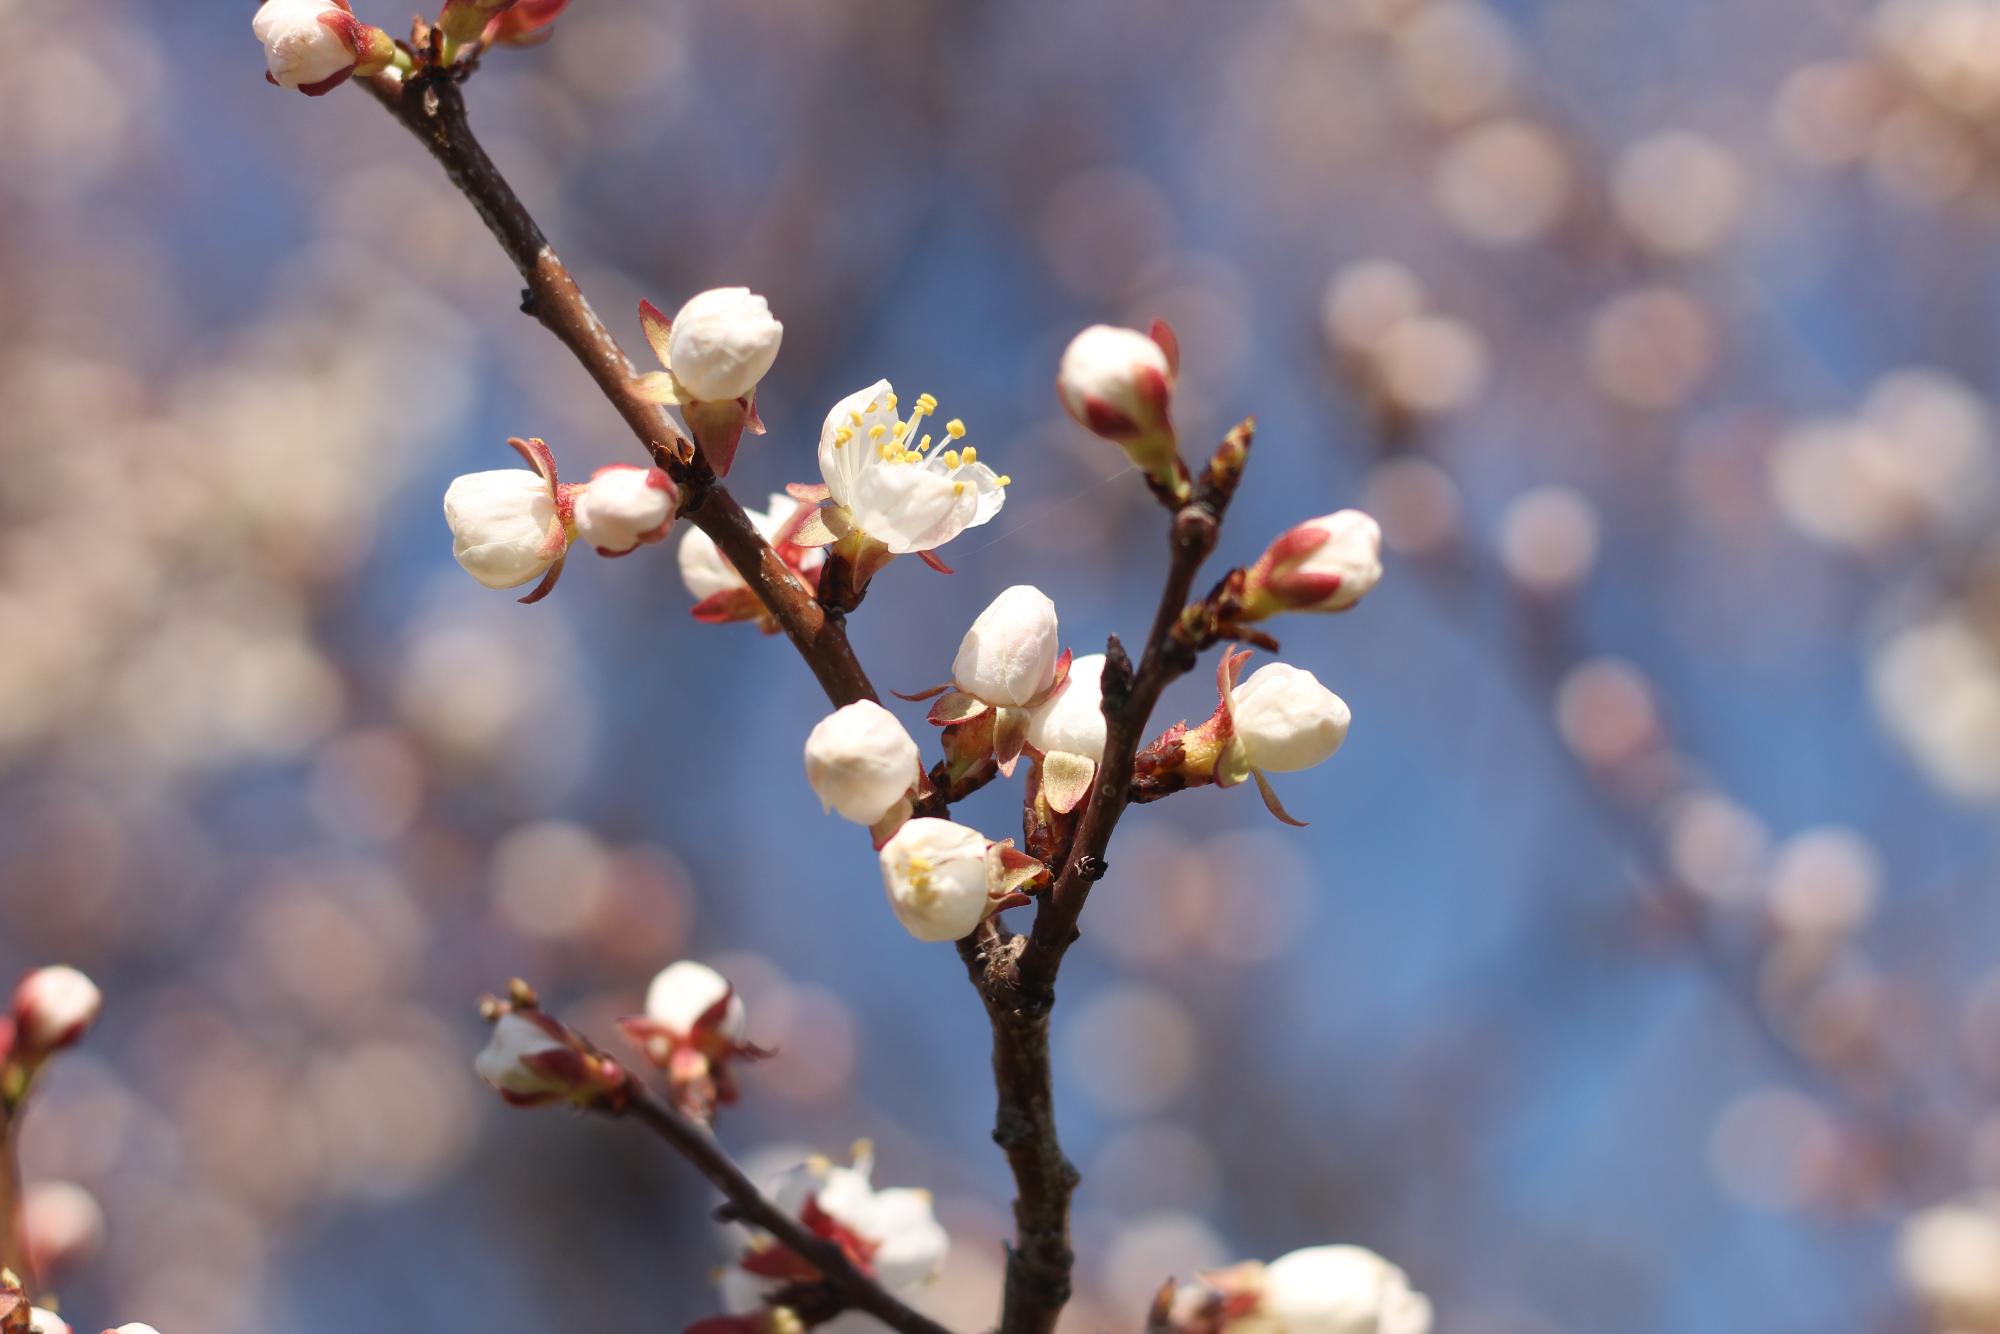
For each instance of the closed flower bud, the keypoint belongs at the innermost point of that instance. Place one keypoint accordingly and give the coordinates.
(314, 45)
(1068, 730)
(1335, 1290)
(523, 23)
(504, 526)
(133, 1328)
(63, 1223)
(936, 874)
(1119, 384)
(693, 1029)
(1323, 564)
(623, 506)
(1286, 720)
(689, 996)
(41, 1321)
(861, 762)
(1008, 657)
(1949, 1258)
(531, 1060)
(722, 343)
(53, 1008)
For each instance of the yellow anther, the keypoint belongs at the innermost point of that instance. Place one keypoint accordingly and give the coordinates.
(889, 402)
(950, 457)
(911, 456)
(842, 436)
(900, 430)
(854, 417)
(955, 429)
(1005, 481)
(924, 445)
(877, 431)
(958, 488)
(971, 454)
(926, 404)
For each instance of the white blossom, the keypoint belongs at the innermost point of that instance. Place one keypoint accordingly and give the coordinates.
(1008, 657)
(42, 1321)
(623, 506)
(1335, 1290)
(722, 343)
(133, 1328)
(1286, 720)
(1072, 719)
(53, 1007)
(504, 526)
(901, 489)
(909, 1245)
(309, 45)
(936, 874)
(683, 993)
(861, 762)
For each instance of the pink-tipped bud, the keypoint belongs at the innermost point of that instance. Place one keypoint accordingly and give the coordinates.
(524, 23)
(531, 1060)
(1119, 384)
(53, 1008)
(623, 507)
(1323, 564)
(313, 46)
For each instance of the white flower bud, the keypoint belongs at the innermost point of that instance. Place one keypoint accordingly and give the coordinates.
(133, 1328)
(1286, 720)
(503, 526)
(311, 45)
(861, 762)
(1339, 1290)
(46, 1322)
(53, 1008)
(1072, 719)
(722, 343)
(1115, 382)
(1323, 564)
(935, 872)
(624, 505)
(683, 993)
(1008, 657)
(504, 1061)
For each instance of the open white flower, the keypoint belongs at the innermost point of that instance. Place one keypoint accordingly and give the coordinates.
(895, 486)
(862, 763)
(894, 1232)
(1323, 564)
(720, 591)
(1068, 730)
(624, 506)
(314, 45)
(1335, 1290)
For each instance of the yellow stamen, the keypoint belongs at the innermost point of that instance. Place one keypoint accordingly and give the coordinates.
(958, 488)
(900, 430)
(955, 428)
(1005, 480)
(970, 454)
(854, 417)
(877, 431)
(890, 402)
(950, 456)
(926, 404)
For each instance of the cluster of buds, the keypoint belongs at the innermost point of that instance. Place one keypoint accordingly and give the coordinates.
(1319, 1290)
(944, 878)
(891, 1235)
(314, 46)
(715, 351)
(1119, 384)
(693, 1029)
(531, 1060)
(513, 526)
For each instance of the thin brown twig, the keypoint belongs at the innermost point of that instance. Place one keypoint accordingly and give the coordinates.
(855, 1287)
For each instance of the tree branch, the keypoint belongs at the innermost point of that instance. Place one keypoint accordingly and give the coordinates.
(432, 107)
(856, 1289)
